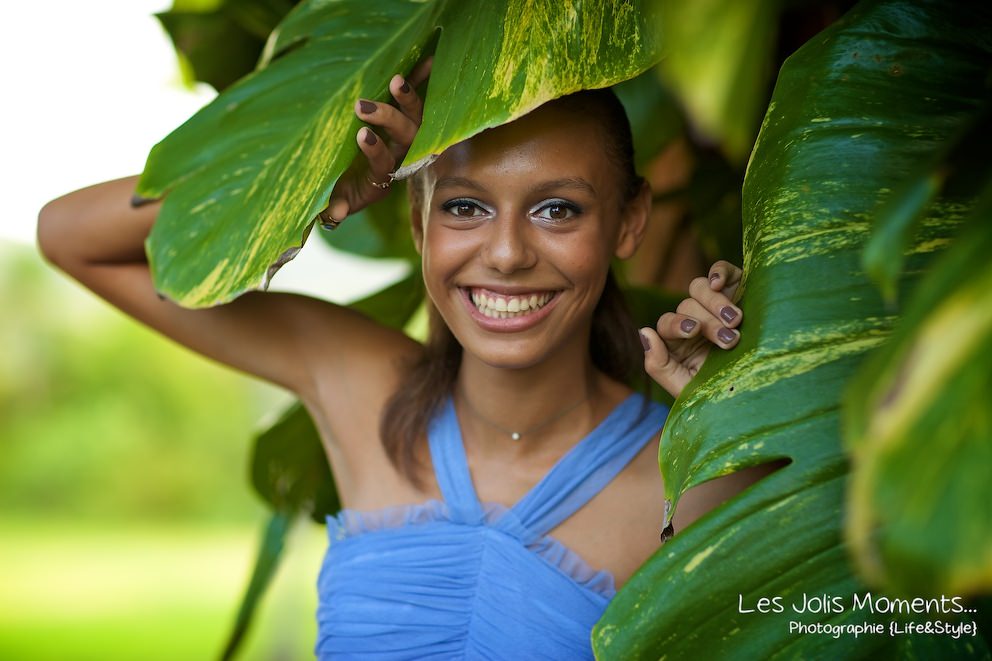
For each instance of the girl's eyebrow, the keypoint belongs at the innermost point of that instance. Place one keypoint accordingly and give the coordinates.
(577, 183)
(568, 182)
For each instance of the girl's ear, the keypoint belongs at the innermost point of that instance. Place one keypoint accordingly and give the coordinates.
(634, 222)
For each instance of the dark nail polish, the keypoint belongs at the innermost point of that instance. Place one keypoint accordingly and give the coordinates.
(726, 335)
(644, 341)
(369, 138)
(138, 201)
(367, 107)
(687, 325)
(405, 87)
(728, 313)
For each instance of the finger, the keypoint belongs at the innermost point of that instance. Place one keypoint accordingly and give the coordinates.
(400, 128)
(675, 326)
(336, 211)
(421, 71)
(658, 363)
(717, 302)
(407, 98)
(381, 162)
(712, 328)
(725, 276)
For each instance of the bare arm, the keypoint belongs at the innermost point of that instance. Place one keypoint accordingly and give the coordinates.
(95, 236)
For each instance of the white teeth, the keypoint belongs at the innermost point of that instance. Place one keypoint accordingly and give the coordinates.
(499, 307)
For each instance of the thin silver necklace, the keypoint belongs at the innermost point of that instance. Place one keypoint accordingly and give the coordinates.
(517, 435)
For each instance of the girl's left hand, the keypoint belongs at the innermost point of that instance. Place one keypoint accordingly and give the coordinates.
(675, 352)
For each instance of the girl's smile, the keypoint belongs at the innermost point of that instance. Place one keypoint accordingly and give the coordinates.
(508, 309)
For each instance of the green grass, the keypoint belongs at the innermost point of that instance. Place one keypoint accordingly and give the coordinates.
(72, 591)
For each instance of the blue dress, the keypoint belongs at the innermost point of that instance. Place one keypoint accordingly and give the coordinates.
(460, 579)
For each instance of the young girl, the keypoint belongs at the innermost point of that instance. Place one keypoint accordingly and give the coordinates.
(500, 482)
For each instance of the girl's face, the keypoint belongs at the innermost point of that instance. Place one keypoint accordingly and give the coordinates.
(517, 231)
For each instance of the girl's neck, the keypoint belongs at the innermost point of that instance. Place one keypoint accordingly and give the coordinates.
(561, 400)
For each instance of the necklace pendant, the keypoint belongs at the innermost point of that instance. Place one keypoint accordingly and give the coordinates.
(515, 436)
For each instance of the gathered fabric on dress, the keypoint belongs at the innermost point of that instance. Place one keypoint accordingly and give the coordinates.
(460, 579)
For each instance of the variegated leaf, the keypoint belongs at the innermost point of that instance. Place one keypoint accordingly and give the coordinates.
(245, 177)
(854, 111)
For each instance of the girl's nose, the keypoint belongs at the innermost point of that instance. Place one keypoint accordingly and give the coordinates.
(506, 247)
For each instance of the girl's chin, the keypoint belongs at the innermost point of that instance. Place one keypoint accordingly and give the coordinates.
(506, 358)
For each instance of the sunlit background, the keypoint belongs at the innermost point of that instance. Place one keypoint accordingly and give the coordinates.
(127, 526)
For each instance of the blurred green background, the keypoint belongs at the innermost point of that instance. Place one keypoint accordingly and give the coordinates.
(126, 528)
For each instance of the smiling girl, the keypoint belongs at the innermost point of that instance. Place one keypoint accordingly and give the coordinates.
(500, 481)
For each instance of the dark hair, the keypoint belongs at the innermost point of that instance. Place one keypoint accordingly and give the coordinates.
(613, 344)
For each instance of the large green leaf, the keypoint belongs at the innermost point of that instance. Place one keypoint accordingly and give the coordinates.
(246, 175)
(854, 110)
(920, 428)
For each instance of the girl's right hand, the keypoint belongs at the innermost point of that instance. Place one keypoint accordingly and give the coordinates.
(368, 179)
(677, 347)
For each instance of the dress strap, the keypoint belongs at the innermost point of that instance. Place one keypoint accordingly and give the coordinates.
(451, 465)
(586, 468)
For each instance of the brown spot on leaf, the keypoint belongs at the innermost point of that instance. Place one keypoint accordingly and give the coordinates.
(895, 70)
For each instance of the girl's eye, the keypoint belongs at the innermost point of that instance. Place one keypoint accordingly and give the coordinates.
(557, 211)
(464, 208)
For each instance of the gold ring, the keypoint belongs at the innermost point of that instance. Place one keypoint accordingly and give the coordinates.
(376, 183)
(327, 222)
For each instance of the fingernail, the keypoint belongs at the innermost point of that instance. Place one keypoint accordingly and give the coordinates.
(138, 201)
(687, 325)
(728, 313)
(367, 107)
(405, 87)
(726, 335)
(369, 137)
(644, 342)
(714, 277)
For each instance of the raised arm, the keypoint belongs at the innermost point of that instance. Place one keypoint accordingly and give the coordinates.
(96, 237)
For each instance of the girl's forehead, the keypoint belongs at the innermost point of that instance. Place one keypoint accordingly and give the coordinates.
(545, 138)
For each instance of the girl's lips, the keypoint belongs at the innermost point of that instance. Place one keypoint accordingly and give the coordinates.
(520, 322)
